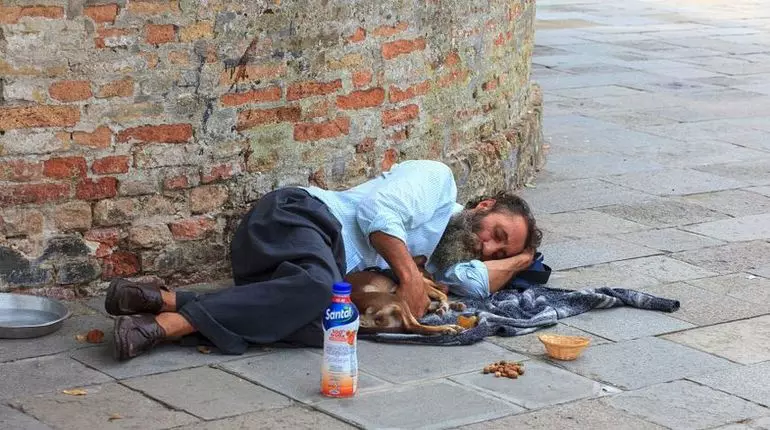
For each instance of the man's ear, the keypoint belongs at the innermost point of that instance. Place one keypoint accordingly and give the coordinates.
(486, 204)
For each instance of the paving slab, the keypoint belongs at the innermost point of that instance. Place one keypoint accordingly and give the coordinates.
(51, 373)
(433, 405)
(669, 239)
(419, 362)
(663, 213)
(751, 172)
(702, 307)
(162, 358)
(754, 424)
(700, 154)
(626, 323)
(743, 286)
(584, 414)
(586, 252)
(730, 258)
(60, 341)
(745, 228)
(579, 194)
(745, 342)
(12, 419)
(763, 271)
(748, 382)
(642, 362)
(208, 393)
(587, 165)
(529, 343)
(683, 404)
(593, 92)
(662, 268)
(95, 409)
(765, 191)
(674, 182)
(293, 372)
(598, 276)
(295, 417)
(586, 224)
(540, 386)
(735, 203)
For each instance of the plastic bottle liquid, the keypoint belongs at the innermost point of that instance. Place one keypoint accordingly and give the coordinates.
(339, 373)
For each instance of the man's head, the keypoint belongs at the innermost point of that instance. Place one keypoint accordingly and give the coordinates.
(489, 228)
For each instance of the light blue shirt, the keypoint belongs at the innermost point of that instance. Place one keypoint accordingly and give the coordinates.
(412, 202)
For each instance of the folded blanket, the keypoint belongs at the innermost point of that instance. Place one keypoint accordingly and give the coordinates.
(518, 311)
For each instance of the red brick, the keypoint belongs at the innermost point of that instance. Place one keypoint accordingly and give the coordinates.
(120, 264)
(358, 36)
(389, 158)
(269, 94)
(192, 228)
(208, 198)
(399, 136)
(176, 182)
(452, 78)
(99, 138)
(366, 145)
(111, 164)
(38, 116)
(107, 236)
(399, 115)
(12, 14)
(500, 40)
(361, 99)
(121, 88)
(452, 59)
(251, 73)
(164, 133)
(254, 117)
(321, 130)
(318, 109)
(199, 30)
(102, 13)
(33, 193)
(217, 173)
(115, 34)
(65, 168)
(70, 91)
(309, 89)
(20, 170)
(399, 95)
(96, 189)
(157, 34)
(392, 50)
(390, 30)
(490, 85)
(362, 78)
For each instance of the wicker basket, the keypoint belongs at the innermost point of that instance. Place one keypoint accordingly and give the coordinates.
(564, 347)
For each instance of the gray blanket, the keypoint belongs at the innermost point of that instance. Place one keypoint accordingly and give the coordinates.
(514, 312)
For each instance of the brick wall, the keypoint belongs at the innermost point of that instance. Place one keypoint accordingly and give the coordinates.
(133, 134)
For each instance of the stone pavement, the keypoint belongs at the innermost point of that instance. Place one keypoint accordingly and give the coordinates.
(658, 179)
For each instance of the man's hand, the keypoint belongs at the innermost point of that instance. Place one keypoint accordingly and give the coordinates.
(410, 288)
(501, 271)
(412, 291)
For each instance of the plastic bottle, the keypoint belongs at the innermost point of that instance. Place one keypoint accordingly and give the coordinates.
(339, 373)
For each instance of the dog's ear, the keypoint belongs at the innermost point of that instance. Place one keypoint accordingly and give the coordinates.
(420, 261)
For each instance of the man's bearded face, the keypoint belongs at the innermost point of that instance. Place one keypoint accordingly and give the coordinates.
(459, 242)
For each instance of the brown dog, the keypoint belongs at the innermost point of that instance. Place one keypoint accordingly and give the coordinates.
(382, 311)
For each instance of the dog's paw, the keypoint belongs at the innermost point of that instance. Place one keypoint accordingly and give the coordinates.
(453, 329)
(442, 309)
(458, 306)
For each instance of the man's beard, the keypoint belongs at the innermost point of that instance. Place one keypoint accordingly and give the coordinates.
(459, 242)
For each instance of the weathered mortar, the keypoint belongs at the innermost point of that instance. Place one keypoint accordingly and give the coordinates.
(134, 134)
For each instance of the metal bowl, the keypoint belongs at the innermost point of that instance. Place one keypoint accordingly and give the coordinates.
(24, 316)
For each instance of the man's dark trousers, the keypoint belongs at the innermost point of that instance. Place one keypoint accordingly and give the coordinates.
(286, 254)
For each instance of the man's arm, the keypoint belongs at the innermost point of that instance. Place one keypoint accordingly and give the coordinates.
(411, 289)
(503, 270)
(479, 279)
